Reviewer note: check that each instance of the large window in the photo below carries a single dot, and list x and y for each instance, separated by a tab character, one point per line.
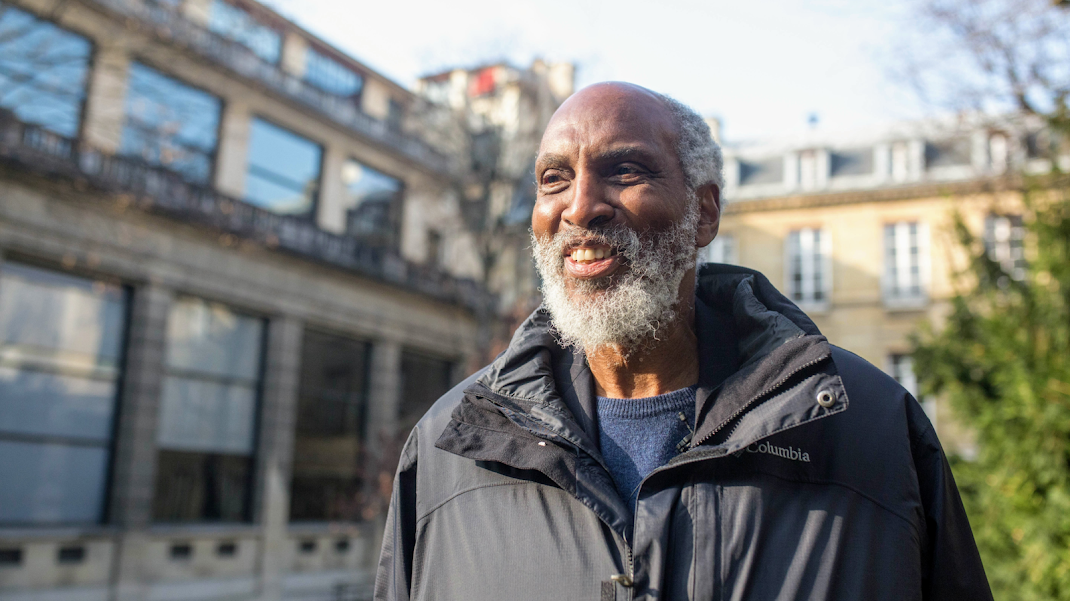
207	423
61	341
372	202
808	266
1005	242
42	71
328	453
237	24
906	262
425	379
332	76
284	170
170	124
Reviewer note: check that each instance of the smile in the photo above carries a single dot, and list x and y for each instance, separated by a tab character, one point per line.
591	261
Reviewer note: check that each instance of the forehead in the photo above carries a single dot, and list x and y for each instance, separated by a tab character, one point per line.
598	120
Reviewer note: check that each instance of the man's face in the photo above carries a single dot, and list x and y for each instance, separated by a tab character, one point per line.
614	225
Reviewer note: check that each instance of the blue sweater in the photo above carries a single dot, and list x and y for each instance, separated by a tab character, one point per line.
638	436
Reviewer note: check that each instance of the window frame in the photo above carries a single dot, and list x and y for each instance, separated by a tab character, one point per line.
314	206
213	164
810	302
249	511
396	209
119	397
890	295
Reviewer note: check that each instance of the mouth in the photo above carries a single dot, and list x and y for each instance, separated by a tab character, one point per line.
590	261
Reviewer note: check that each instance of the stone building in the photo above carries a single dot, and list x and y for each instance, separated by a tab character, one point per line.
857	229
218	305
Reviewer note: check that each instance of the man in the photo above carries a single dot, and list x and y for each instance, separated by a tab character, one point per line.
653	435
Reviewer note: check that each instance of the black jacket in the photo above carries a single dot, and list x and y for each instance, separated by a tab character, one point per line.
811	475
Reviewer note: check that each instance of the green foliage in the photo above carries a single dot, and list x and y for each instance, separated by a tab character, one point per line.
1003	361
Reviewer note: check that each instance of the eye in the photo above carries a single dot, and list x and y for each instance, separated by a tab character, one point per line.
627	172
552	179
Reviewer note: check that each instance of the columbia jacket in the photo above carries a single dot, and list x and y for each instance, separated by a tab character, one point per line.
810	475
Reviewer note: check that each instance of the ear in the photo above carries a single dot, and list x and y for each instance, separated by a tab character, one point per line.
709	214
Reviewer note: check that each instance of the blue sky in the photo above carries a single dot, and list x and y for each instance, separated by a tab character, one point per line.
762	66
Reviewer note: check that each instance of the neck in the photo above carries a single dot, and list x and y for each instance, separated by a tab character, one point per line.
660	366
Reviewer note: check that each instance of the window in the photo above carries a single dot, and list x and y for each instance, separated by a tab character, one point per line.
170	124
948	153
373	201
721	250
328	459
236	24
42	72
769	171
1005	243
901	368
856	161
284	170
206	428
425	379
332	76
906	263
61	341
395	115
808	269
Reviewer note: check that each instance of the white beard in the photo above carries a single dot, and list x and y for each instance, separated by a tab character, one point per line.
625	310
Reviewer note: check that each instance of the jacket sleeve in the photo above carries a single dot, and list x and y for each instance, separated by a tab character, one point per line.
394	574
951	565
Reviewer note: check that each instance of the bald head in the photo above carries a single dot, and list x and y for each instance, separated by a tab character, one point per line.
638	107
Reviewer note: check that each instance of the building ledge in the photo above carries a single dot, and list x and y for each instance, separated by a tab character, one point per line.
170	26
31	149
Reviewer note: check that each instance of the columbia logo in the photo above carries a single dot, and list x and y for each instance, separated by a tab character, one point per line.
785	452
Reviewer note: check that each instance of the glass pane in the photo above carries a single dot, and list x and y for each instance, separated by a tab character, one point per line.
59	320
170	124
331	76
284	170
42	71
425	380
51	483
371	199
327	466
209	338
35	402
238	25
201	487
198	415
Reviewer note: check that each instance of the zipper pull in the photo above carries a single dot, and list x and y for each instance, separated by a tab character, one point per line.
685	442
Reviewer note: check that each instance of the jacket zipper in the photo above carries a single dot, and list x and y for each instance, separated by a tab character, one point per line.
748	404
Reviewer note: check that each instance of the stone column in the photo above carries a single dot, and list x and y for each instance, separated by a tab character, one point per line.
331	209
384	399
105	103
233	152
278	412
134	463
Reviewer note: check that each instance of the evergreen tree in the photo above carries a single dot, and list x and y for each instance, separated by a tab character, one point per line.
1002	359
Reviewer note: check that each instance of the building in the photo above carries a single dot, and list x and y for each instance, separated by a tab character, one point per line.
218	305
496	114
857	229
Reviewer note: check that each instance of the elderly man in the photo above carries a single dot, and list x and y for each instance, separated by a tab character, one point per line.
650	434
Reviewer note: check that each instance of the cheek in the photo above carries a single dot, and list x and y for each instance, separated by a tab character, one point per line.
544	218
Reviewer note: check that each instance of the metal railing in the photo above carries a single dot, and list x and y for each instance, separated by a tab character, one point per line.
33	149
172	26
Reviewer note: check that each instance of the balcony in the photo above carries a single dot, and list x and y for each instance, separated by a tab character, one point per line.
171	26
31	149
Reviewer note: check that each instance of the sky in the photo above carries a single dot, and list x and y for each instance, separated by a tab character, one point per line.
762	66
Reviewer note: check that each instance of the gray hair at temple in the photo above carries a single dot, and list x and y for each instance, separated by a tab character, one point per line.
700	156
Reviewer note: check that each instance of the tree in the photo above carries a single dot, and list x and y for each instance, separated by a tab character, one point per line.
1002	358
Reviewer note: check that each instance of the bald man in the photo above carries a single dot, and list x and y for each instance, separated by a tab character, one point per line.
653	433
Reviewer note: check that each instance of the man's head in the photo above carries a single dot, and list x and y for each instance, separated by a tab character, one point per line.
628	188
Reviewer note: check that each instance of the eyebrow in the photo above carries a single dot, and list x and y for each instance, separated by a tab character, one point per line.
553	160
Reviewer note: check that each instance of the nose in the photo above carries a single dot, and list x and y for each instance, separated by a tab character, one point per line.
588	206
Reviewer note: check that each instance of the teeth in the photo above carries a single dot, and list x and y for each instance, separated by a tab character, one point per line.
587	254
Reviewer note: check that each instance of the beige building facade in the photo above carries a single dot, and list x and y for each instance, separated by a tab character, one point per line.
859	231
217	305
